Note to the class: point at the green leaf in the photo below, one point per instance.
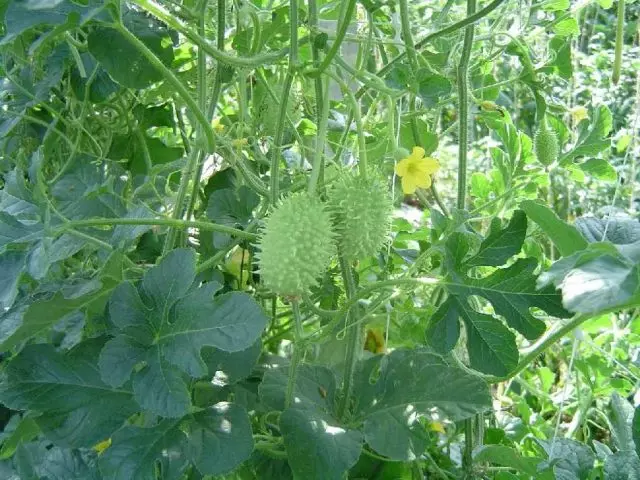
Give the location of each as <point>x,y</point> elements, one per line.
<point>504,456</point>
<point>606,4</point>
<point>428,381</point>
<point>432,87</point>
<point>622,466</point>
<point>166,322</point>
<point>397,434</point>
<point>26,431</point>
<point>427,138</point>
<point>511,291</point>
<point>160,388</point>
<point>600,169</point>
<point>230,367</point>
<point>231,207</point>
<point>565,237</point>
<point>317,448</point>
<point>11,265</point>
<point>492,347</point>
<point>78,409</point>
<point>24,15</point>
<point>134,451</point>
<point>593,280</point>
<point>623,233</point>
<point>572,460</point>
<point>620,422</point>
<point>15,232</point>
<point>117,359</point>
<point>501,244</point>
<point>315,387</point>
<point>567,27</point>
<point>41,315</point>
<point>124,62</point>
<point>101,86</point>
<point>219,438</point>
<point>555,5</point>
<point>562,59</point>
<point>593,136</point>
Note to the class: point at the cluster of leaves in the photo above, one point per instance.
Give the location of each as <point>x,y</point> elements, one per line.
<point>137,339</point>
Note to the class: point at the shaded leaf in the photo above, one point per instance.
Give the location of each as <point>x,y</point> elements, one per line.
<point>420,379</point>
<point>78,409</point>
<point>396,433</point>
<point>317,448</point>
<point>124,62</point>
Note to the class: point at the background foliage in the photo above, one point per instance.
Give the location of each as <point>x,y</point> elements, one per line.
<point>142,145</point>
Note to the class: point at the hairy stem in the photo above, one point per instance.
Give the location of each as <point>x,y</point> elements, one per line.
<point>298,353</point>
<point>173,81</point>
<point>353,339</point>
<point>166,222</point>
<point>463,108</point>
<point>284,102</point>
<point>349,8</point>
<point>617,61</point>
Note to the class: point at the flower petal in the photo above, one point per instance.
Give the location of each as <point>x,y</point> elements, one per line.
<point>408,185</point>
<point>402,166</point>
<point>429,165</point>
<point>417,153</point>
<point>422,181</point>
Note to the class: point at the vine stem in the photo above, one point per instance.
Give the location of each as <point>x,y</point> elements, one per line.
<point>469,20</point>
<point>284,102</point>
<point>357,117</point>
<point>349,8</point>
<point>196,156</point>
<point>298,352</point>
<point>617,61</point>
<point>353,339</point>
<point>172,80</point>
<point>318,155</point>
<point>463,108</point>
<point>168,222</point>
<point>202,89</point>
<point>256,61</point>
<point>463,141</point>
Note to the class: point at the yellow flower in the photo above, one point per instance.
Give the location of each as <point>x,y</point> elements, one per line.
<point>217,125</point>
<point>102,446</point>
<point>416,170</point>
<point>239,142</point>
<point>578,114</point>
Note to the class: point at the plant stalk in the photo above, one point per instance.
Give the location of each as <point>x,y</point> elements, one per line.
<point>298,353</point>
<point>353,339</point>
<point>463,108</point>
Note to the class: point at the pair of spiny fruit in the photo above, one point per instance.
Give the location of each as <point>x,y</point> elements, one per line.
<point>302,234</point>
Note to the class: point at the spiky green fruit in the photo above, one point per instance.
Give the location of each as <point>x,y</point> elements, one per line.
<point>545,144</point>
<point>296,245</point>
<point>362,209</point>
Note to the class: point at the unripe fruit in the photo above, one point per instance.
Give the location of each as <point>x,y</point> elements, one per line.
<point>362,209</point>
<point>545,144</point>
<point>296,245</point>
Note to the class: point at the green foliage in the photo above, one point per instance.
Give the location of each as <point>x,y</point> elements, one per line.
<point>195,284</point>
